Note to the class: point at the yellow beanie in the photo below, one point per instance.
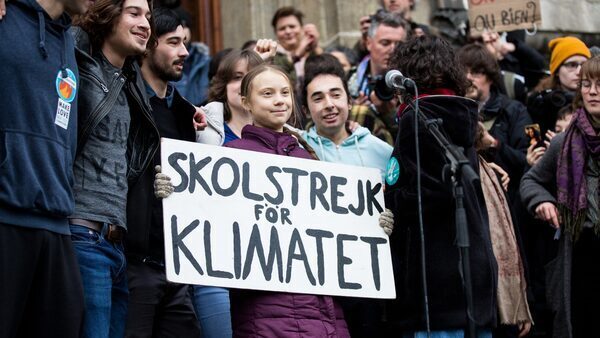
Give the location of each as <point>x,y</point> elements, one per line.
<point>563,48</point>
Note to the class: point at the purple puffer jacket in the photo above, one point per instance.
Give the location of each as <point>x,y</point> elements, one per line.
<point>277,314</point>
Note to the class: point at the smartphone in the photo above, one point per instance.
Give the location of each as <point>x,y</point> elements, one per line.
<point>534,134</point>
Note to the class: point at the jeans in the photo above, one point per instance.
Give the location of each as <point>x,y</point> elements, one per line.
<point>481,333</point>
<point>213,311</point>
<point>103,273</point>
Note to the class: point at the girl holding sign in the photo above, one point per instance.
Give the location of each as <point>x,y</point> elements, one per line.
<point>267,94</point>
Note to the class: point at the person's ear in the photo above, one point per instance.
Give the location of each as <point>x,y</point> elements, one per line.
<point>246,104</point>
<point>369,43</point>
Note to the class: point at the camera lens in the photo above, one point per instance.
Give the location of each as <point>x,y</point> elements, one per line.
<point>382,91</point>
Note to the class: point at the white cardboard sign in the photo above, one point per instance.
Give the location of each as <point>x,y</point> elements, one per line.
<point>249,220</point>
<point>503,15</point>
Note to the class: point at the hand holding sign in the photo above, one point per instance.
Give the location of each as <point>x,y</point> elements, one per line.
<point>281,223</point>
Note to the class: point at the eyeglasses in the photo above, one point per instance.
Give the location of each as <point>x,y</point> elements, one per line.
<point>571,65</point>
<point>586,85</point>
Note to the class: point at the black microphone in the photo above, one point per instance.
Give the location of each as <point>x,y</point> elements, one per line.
<point>395,80</point>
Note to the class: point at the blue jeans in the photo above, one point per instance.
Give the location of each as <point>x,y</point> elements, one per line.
<point>212,308</point>
<point>481,333</point>
<point>103,273</point>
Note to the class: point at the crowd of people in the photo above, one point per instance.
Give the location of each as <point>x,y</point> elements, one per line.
<point>92,86</point>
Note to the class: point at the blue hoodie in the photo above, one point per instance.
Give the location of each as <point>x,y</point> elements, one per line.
<point>38,118</point>
<point>361,149</point>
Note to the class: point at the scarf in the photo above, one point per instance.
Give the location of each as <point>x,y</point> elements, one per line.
<point>513,308</point>
<point>581,141</point>
<point>425,93</point>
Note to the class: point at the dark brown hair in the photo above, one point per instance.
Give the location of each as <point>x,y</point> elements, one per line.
<point>323,64</point>
<point>101,18</point>
<point>430,61</point>
<point>225,73</point>
<point>286,11</point>
<point>476,58</point>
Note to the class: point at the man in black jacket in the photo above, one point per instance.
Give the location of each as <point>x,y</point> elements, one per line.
<point>504,119</point>
<point>158,308</point>
<point>117,139</point>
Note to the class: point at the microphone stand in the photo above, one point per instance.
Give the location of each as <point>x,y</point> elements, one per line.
<point>459,168</point>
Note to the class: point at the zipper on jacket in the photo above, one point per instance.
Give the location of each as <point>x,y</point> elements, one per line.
<point>96,79</point>
<point>101,110</point>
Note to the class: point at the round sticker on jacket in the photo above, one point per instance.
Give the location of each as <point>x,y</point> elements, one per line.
<point>66,87</point>
<point>392,171</point>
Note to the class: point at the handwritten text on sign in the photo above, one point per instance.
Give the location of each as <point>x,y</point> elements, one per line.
<point>503,15</point>
<point>250,220</point>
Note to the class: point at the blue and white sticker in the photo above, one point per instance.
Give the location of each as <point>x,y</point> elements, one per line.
<point>66,87</point>
<point>63,111</point>
<point>392,171</point>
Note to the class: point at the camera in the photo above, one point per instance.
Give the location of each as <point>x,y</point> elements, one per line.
<point>382,91</point>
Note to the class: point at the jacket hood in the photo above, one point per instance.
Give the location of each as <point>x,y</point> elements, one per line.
<point>351,142</point>
<point>357,134</point>
<point>459,116</point>
<point>60,26</point>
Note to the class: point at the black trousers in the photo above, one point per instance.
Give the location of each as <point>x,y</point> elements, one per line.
<point>40,286</point>
<point>158,308</point>
<point>585,287</point>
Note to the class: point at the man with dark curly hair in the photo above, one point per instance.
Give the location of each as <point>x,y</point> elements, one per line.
<point>441,81</point>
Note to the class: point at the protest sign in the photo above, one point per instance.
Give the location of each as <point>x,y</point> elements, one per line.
<point>503,15</point>
<point>244,219</point>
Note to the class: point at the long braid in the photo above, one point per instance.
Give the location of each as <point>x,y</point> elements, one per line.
<point>302,142</point>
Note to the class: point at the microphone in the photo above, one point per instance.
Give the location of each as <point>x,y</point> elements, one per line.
<point>395,80</point>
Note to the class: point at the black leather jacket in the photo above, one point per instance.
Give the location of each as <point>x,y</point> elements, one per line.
<point>97,95</point>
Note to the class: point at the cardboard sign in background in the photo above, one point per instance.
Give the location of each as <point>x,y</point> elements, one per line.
<point>503,15</point>
<point>243,219</point>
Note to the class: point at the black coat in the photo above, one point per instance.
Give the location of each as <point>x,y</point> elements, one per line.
<point>446,296</point>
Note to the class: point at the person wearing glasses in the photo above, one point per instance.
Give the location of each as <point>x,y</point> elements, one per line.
<point>552,93</point>
<point>562,190</point>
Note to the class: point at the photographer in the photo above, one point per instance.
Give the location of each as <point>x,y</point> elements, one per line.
<point>558,90</point>
<point>374,106</point>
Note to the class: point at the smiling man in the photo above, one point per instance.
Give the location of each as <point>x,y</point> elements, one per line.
<point>325,96</point>
<point>326,99</point>
<point>117,141</point>
<point>158,308</point>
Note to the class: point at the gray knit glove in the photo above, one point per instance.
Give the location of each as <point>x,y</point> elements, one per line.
<point>162,184</point>
<point>386,221</point>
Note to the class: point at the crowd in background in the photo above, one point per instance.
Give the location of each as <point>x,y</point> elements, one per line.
<point>91,86</point>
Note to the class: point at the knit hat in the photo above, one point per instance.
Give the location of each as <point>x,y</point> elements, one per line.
<point>563,48</point>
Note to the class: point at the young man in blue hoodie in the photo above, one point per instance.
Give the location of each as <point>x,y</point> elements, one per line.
<point>40,288</point>
<point>326,98</point>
